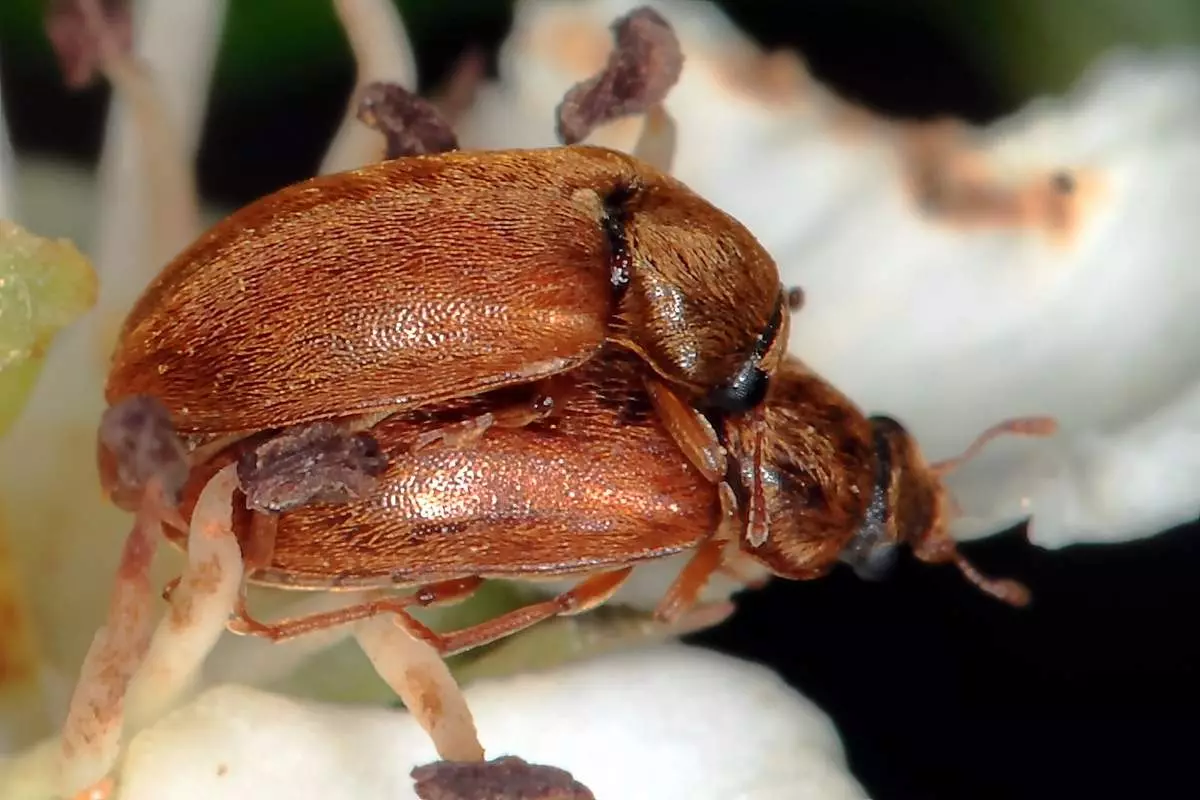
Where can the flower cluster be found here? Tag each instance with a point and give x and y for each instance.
(953, 276)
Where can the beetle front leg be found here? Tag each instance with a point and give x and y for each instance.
(708, 559)
(757, 529)
(681, 596)
(258, 546)
(744, 570)
(690, 430)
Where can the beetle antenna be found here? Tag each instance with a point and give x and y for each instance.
(1006, 590)
(1021, 426)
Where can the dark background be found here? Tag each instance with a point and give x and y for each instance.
(938, 691)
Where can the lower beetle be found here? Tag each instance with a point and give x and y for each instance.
(587, 492)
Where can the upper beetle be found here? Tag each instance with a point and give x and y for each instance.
(430, 277)
(440, 274)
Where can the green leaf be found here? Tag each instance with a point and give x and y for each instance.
(45, 285)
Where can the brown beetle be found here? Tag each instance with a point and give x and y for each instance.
(586, 492)
(424, 279)
(591, 491)
(436, 276)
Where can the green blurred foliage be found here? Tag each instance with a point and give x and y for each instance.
(266, 42)
(1034, 46)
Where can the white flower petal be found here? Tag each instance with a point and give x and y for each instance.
(659, 724)
(1077, 305)
(951, 330)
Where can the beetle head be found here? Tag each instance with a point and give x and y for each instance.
(689, 264)
(911, 506)
(817, 458)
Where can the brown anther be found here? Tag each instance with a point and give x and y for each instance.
(71, 27)
(795, 298)
(645, 64)
(315, 463)
(1063, 182)
(505, 778)
(138, 433)
(411, 124)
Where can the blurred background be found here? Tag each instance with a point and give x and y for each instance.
(938, 691)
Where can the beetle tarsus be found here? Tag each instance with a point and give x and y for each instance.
(585, 596)
(170, 587)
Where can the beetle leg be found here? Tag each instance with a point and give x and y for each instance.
(585, 596)
(710, 557)
(433, 594)
(464, 434)
(257, 548)
(690, 430)
(170, 587)
(681, 596)
(744, 570)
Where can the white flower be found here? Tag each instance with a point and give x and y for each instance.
(49, 455)
(666, 722)
(950, 281)
(953, 277)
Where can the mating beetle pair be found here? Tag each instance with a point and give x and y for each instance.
(447, 368)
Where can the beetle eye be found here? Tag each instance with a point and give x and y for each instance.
(746, 391)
